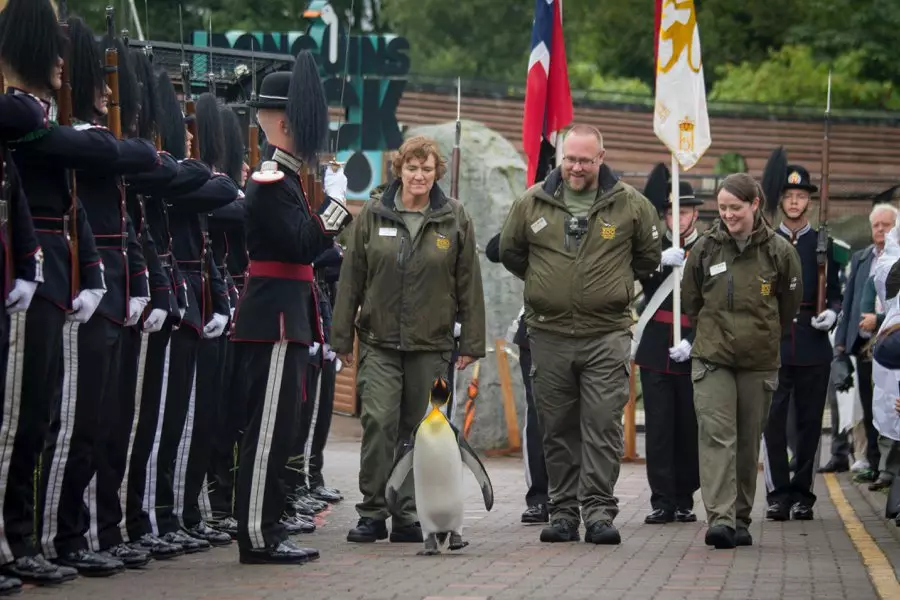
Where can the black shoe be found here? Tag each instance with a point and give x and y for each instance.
(603, 533)
(326, 494)
(536, 514)
(720, 537)
(778, 511)
(836, 465)
(91, 564)
(202, 531)
(283, 553)
(801, 512)
(304, 496)
(33, 569)
(294, 524)
(131, 557)
(683, 515)
(367, 531)
(302, 508)
(188, 542)
(10, 585)
(882, 482)
(407, 534)
(560, 530)
(227, 525)
(659, 517)
(742, 537)
(157, 548)
(68, 573)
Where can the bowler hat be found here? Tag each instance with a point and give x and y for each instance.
(686, 195)
(273, 93)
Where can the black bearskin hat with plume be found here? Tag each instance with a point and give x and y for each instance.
(307, 109)
(171, 120)
(209, 130)
(31, 41)
(85, 69)
(148, 115)
(233, 158)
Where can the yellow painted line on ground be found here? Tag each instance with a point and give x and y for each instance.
(879, 567)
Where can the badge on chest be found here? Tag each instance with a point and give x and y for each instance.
(765, 287)
(387, 231)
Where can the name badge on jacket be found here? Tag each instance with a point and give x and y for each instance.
(387, 231)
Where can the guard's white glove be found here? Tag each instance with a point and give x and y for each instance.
(673, 257)
(865, 334)
(155, 320)
(215, 327)
(824, 320)
(457, 330)
(681, 352)
(19, 298)
(335, 183)
(84, 305)
(314, 349)
(135, 310)
(329, 353)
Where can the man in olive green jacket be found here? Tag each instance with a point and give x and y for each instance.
(578, 240)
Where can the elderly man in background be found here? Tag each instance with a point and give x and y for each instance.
(579, 239)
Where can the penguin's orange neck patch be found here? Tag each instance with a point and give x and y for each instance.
(435, 415)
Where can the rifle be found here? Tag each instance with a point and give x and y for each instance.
(64, 118)
(454, 157)
(4, 213)
(114, 112)
(822, 241)
(190, 110)
(253, 132)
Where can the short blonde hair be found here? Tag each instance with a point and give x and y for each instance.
(419, 147)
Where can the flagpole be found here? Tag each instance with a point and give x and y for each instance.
(676, 241)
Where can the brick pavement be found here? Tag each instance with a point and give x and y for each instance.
(505, 560)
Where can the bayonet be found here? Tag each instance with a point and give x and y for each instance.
(455, 156)
(210, 76)
(822, 241)
(188, 100)
(253, 133)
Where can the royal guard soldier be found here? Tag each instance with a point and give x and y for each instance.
(806, 353)
(673, 470)
(277, 318)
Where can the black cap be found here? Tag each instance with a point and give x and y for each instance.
(273, 93)
(686, 195)
(798, 179)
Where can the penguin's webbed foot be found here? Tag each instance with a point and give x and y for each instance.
(431, 546)
(456, 541)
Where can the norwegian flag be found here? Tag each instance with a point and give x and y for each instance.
(548, 99)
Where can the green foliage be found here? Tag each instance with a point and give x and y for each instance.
(792, 75)
(587, 76)
(730, 162)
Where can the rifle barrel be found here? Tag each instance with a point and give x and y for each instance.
(114, 113)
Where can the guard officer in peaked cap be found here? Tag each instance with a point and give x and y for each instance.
(806, 355)
(277, 320)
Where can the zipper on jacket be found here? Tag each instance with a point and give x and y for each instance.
(400, 264)
(730, 292)
(400, 252)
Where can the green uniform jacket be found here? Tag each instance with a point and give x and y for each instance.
(584, 290)
(411, 291)
(741, 301)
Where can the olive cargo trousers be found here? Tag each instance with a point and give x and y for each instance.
(732, 407)
(581, 388)
(394, 387)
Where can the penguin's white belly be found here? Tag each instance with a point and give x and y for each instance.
(438, 471)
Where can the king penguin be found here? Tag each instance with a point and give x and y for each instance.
(435, 454)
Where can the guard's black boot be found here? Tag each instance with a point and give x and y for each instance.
(91, 564)
(297, 524)
(188, 542)
(157, 548)
(283, 553)
(836, 465)
(202, 531)
(802, 512)
(720, 537)
(33, 569)
(367, 531)
(227, 525)
(742, 537)
(10, 585)
(560, 530)
(129, 556)
(603, 533)
(778, 511)
(683, 515)
(407, 534)
(659, 517)
(536, 514)
(326, 494)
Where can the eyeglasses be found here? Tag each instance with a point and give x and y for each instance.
(584, 162)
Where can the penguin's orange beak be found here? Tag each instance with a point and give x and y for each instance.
(312, 14)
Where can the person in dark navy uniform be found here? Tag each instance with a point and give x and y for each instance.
(673, 468)
(276, 320)
(85, 416)
(73, 286)
(806, 355)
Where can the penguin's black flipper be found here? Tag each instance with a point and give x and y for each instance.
(475, 465)
(402, 466)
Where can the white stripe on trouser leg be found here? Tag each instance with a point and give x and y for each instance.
(153, 461)
(12, 405)
(179, 478)
(90, 500)
(767, 468)
(63, 440)
(203, 501)
(264, 445)
(138, 393)
(307, 448)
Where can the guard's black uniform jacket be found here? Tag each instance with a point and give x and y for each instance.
(42, 159)
(284, 237)
(223, 222)
(20, 114)
(102, 194)
(802, 344)
(190, 246)
(20, 254)
(653, 350)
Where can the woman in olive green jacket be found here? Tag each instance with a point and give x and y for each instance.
(412, 272)
(742, 286)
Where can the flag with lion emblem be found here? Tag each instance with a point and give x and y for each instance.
(680, 119)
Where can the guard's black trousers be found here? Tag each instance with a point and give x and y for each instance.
(115, 454)
(169, 461)
(276, 376)
(140, 483)
(78, 429)
(196, 445)
(673, 467)
(535, 467)
(809, 385)
(323, 408)
(864, 385)
(231, 420)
